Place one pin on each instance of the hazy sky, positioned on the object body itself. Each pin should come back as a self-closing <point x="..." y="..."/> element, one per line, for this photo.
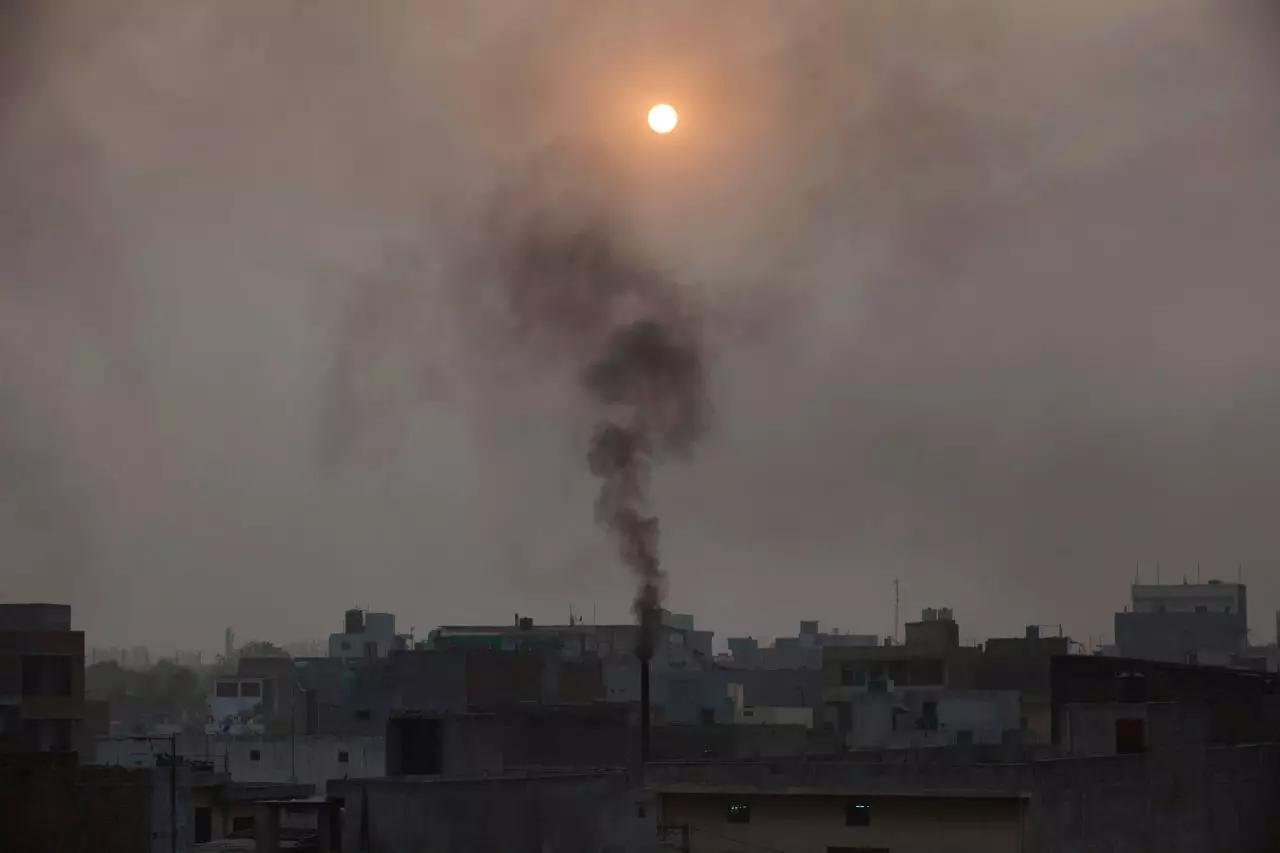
<point x="989" y="291"/>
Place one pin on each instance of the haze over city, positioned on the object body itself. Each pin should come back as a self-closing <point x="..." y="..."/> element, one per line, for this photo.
<point x="986" y="297"/>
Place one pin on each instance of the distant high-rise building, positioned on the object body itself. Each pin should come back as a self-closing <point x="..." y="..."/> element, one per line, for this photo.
<point x="1203" y="623"/>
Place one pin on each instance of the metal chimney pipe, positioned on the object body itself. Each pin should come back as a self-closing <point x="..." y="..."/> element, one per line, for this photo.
<point x="644" y="655"/>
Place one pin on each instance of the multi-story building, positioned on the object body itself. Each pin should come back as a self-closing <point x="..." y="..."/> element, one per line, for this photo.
<point x="803" y="651"/>
<point x="366" y="635"/>
<point x="42" y="703"/>
<point x="1185" y="623"/>
<point x="677" y="641"/>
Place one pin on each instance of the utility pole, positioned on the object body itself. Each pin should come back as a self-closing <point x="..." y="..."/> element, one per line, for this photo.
<point x="173" y="793"/>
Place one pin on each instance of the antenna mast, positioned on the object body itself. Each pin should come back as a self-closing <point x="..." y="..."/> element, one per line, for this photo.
<point x="895" y="611"/>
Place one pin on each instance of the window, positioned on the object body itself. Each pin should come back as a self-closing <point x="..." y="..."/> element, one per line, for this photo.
<point x="203" y="832"/>
<point x="226" y="690"/>
<point x="853" y="675"/>
<point x="857" y="813"/>
<point x="363" y="715"/>
<point x="255" y="755"/>
<point x="929" y="717"/>
<point x="46" y="675"/>
<point x="964" y="737"/>
<point x="343" y="757"/>
<point x="242" y="823"/>
<point x="251" y="689"/>
<point x="739" y="812"/>
<point x="345" y="646"/>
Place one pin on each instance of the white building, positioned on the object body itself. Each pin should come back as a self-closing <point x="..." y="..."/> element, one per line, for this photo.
<point x="1212" y="597"/>
<point x="766" y="715"/>
<point x="364" y="635"/>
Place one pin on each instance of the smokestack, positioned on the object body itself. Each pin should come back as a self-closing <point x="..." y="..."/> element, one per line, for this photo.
<point x="644" y="654"/>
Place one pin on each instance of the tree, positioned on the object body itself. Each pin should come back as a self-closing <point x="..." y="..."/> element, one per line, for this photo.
<point x="262" y="649"/>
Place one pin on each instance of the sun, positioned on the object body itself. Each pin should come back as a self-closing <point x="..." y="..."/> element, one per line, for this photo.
<point x="663" y="118"/>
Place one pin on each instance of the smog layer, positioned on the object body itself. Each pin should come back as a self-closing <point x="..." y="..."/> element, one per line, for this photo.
<point x="978" y="299"/>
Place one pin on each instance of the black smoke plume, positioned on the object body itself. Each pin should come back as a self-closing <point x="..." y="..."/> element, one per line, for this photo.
<point x="574" y="290"/>
<point x="655" y="376"/>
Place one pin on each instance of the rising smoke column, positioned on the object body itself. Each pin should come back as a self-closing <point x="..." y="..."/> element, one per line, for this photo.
<point x="654" y="375"/>
<point x="574" y="291"/>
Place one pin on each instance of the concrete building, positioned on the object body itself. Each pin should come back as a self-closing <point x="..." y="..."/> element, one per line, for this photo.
<point x="1185" y="623"/>
<point x="458" y="679"/>
<point x="305" y="759"/>
<point x="365" y="635"/>
<point x="803" y="651"/>
<point x="221" y="808"/>
<point x="932" y="660"/>
<point x="42" y="705"/>
<point x="1201" y="799"/>
<point x="1243" y="706"/>
<point x="1023" y="664"/>
<point x="745" y="713"/>
<point x="448" y="791"/>
<point x="677" y="641"/>
<point x="238" y="705"/>
<point x="917" y="719"/>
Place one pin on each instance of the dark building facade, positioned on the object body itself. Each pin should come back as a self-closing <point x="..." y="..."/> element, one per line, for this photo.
<point x="42" y="704"/>
<point x="1241" y="705"/>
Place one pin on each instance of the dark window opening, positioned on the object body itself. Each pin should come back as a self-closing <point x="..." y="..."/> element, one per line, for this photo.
<point x="202" y="833"/>
<point x="242" y="823"/>
<point x="1131" y="737"/>
<point x="964" y="737"/>
<point x="343" y="757"/>
<point x="346" y="647"/>
<point x="853" y="675"/>
<point x="739" y="812"/>
<point x="414" y="747"/>
<point x="255" y="755"/>
<point x="226" y="690"/>
<point x="46" y="675"/>
<point x="929" y="717"/>
<point x="844" y="717"/>
<point x="857" y="813"/>
<point x="363" y="716"/>
<point x="251" y="689"/>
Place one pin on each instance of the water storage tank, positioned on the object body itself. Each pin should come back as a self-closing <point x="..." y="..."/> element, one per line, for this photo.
<point x="354" y="622"/>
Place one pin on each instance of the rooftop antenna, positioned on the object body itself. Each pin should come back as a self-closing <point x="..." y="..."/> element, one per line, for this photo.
<point x="1137" y="576"/>
<point x="1157" y="572"/>
<point x="895" y="611"/>
<point x="1197" y="573"/>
